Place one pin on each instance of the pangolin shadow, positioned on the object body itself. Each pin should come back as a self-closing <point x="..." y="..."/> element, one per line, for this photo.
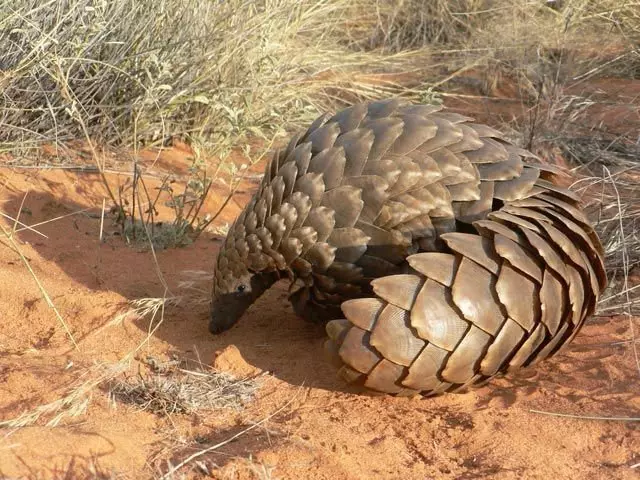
<point x="269" y="335"/>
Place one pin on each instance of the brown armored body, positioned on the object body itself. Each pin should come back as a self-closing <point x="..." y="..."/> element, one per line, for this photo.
<point x="452" y="256"/>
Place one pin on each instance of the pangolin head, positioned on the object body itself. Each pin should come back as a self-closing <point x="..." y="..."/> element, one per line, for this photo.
<point x="235" y="287"/>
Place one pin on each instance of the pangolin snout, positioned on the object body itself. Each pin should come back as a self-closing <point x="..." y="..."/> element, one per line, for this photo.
<point x="217" y="328"/>
<point x="225" y="313"/>
<point x="227" y="308"/>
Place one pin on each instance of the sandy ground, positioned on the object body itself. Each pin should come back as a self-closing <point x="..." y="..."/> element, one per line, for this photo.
<point x="311" y="426"/>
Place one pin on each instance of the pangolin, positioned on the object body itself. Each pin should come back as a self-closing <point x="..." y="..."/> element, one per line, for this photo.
<point x="439" y="253"/>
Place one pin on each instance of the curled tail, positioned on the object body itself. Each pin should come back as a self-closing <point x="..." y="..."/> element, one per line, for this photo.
<point x="509" y="295"/>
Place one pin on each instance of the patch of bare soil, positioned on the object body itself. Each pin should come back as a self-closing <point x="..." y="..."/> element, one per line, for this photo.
<point x="303" y="423"/>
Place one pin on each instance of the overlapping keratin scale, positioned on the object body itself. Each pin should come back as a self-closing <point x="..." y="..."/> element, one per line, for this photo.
<point x="507" y="296"/>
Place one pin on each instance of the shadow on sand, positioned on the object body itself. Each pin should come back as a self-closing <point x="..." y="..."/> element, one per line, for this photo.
<point x="270" y="336"/>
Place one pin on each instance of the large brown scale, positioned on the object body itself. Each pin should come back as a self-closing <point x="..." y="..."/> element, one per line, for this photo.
<point x="440" y="254"/>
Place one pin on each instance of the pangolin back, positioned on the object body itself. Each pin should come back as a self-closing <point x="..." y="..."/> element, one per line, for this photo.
<point x="452" y="257"/>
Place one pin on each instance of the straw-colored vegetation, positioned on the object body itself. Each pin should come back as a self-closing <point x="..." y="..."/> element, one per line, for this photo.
<point x="126" y="72"/>
<point x="176" y="387"/>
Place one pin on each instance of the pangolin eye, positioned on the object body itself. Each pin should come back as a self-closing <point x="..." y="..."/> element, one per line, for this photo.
<point x="241" y="288"/>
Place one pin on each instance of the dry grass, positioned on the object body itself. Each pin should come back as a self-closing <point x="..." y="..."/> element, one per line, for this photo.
<point x="173" y="388"/>
<point x="137" y="204"/>
<point x="72" y="403"/>
<point x="127" y="72"/>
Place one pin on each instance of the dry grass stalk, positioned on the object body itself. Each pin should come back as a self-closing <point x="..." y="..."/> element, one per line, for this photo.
<point x="72" y="404"/>
<point x="588" y="417"/>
